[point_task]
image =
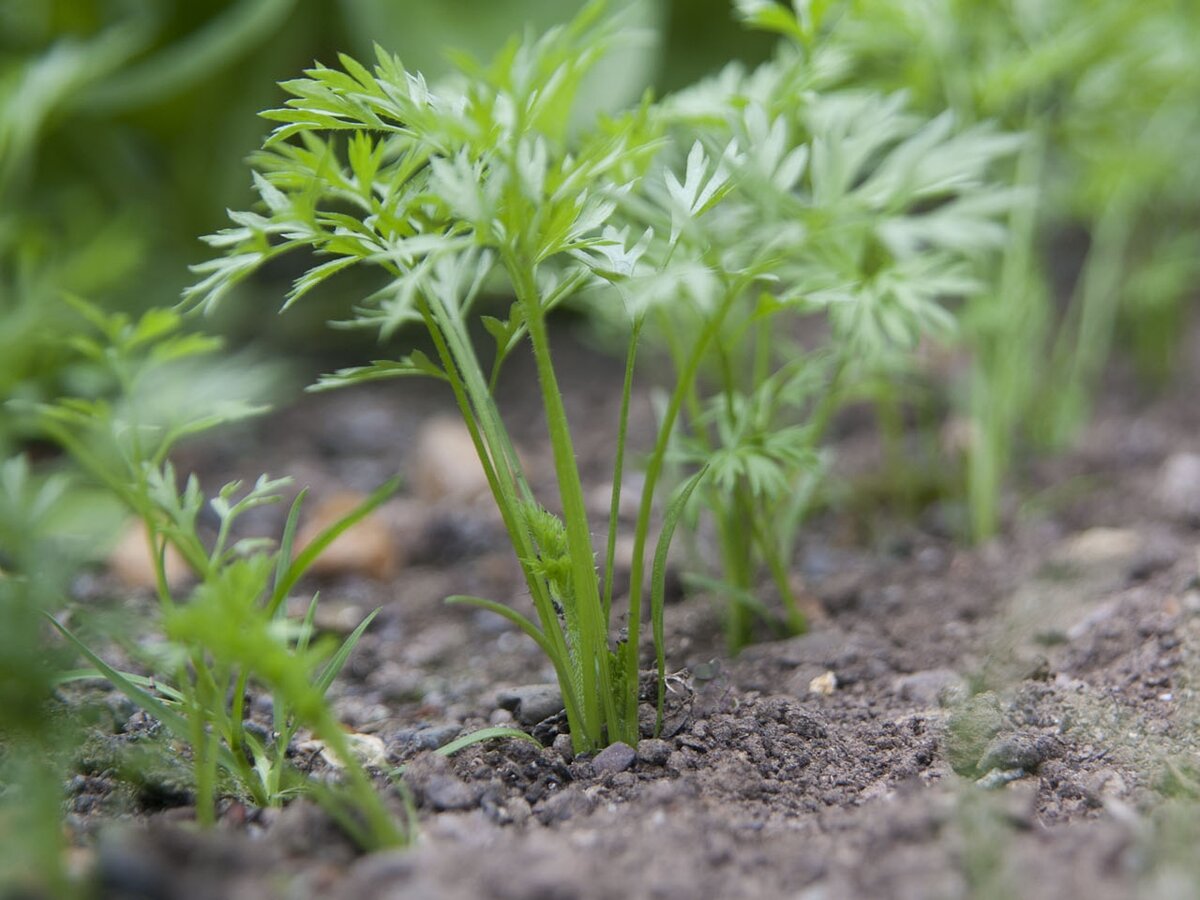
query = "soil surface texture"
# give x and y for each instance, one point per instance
(1017, 719)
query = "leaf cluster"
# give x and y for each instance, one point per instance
(231, 628)
(1109, 93)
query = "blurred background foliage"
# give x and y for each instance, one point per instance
(124, 125)
(1104, 253)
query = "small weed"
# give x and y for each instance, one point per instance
(231, 628)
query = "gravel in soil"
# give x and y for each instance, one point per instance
(1018, 719)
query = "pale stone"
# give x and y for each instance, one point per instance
(824, 684)
(132, 562)
(445, 465)
(367, 547)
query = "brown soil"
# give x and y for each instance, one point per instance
(1013, 720)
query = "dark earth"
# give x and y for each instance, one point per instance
(1017, 719)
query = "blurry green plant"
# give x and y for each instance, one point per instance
(1110, 94)
(233, 626)
(44, 537)
(846, 228)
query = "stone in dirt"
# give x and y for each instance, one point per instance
(435, 784)
(1102, 548)
(446, 467)
(367, 547)
(531, 703)
(931, 688)
(1017, 751)
(131, 563)
(653, 752)
(566, 804)
(1179, 486)
(614, 758)
(448, 792)
(824, 684)
(564, 748)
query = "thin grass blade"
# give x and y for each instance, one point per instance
(658, 578)
(522, 622)
(309, 554)
(486, 734)
(338, 660)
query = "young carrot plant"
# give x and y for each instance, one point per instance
(451, 192)
(456, 191)
(1109, 93)
(802, 204)
(231, 628)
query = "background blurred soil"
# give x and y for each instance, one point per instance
(1012, 720)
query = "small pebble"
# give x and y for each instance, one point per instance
(824, 684)
(445, 465)
(1179, 486)
(1101, 547)
(998, 778)
(933, 687)
(653, 752)
(531, 703)
(563, 747)
(566, 804)
(367, 547)
(131, 563)
(448, 792)
(1015, 751)
(614, 758)
(1019, 803)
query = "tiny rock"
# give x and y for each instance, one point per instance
(824, 684)
(933, 687)
(566, 804)
(1179, 486)
(448, 792)
(614, 758)
(653, 752)
(599, 498)
(563, 747)
(1016, 751)
(367, 547)
(531, 703)
(1102, 547)
(132, 563)
(445, 465)
(1019, 803)
(1103, 785)
(369, 749)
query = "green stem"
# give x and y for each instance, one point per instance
(1000, 382)
(1084, 348)
(205, 776)
(614, 508)
(734, 557)
(487, 433)
(654, 467)
(593, 638)
(793, 618)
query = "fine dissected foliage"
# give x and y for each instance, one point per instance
(231, 628)
(783, 200)
(1109, 94)
(449, 191)
(817, 204)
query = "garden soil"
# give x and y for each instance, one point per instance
(1017, 719)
